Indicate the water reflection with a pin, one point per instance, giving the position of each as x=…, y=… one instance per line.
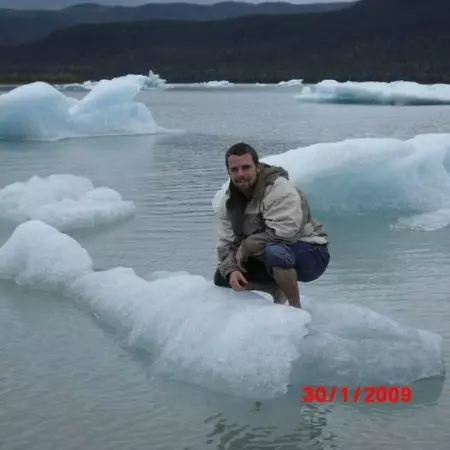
x=271, y=425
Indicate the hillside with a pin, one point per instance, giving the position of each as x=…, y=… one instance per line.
x=21, y=26
x=372, y=40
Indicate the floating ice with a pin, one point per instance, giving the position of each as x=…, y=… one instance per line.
x=378, y=93
x=238, y=343
x=216, y=83
x=63, y=201
x=149, y=82
x=373, y=175
x=361, y=347
x=38, y=111
x=40, y=256
x=293, y=82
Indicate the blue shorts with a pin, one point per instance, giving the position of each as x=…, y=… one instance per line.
x=309, y=260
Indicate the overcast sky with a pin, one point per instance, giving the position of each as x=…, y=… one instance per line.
x=56, y=4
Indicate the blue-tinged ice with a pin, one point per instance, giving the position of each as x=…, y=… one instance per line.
x=238, y=343
x=148, y=82
x=405, y=180
x=375, y=93
x=38, y=111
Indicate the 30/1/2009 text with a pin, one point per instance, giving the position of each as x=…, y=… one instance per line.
x=360, y=394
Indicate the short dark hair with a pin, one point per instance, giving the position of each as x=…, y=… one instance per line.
x=239, y=149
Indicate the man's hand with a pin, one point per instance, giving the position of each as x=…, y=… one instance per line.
x=238, y=281
x=241, y=259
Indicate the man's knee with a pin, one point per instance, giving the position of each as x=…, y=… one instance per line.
x=279, y=256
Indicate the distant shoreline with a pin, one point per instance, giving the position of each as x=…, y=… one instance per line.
x=50, y=79
x=73, y=79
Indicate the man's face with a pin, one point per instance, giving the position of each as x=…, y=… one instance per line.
x=243, y=171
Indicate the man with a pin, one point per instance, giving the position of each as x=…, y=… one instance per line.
x=267, y=238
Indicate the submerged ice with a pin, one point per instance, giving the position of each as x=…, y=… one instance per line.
x=369, y=92
x=361, y=347
x=198, y=333
x=64, y=201
x=405, y=180
x=38, y=111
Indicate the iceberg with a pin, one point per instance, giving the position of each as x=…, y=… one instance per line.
x=293, y=82
x=407, y=180
x=375, y=93
x=210, y=85
x=216, y=84
x=148, y=82
x=38, y=111
x=64, y=201
x=236, y=343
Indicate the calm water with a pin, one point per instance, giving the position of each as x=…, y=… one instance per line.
x=68, y=382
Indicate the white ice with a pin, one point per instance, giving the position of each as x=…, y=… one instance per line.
x=395, y=177
x=369, y=92
x=38, y=111
x=210, y=85
x=64, y=201
x=216, y=83
x=293, y=82
x=39, y=255
x=238, y=343
x=148, y=82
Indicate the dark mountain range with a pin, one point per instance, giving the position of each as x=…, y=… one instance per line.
x=61, y=4
x=20, y=26
x=380, y=40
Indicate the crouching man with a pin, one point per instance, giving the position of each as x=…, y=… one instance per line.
x=267, y=239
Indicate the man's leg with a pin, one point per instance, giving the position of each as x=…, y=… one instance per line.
x=219, y=280
x=259, y=279
x=296, y=262
x=281, y=260
x=286, y=279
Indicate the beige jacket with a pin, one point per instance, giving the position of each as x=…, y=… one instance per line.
x=276, y=212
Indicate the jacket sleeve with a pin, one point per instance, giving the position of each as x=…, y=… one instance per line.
x=226, y=248
x=283, y=217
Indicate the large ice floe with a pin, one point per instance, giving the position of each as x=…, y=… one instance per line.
x=375, y=93
x=237, y=343
x=64, y=201
x=407, y=181
x=39, y=111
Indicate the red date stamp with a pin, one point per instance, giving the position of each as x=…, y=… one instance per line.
x=359, y=394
